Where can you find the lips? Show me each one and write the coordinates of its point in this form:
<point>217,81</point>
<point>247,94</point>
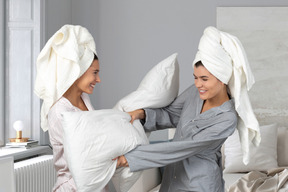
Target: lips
<point>202,92</point>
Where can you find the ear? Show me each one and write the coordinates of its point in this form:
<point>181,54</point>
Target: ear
<point>224,85</point>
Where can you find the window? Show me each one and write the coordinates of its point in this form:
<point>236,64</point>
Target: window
<point>2,95</point>
<point>23,37</point>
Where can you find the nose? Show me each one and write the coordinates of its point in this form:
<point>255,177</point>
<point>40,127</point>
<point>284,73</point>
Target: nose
<point>97,79</point>
<point>197,83</point>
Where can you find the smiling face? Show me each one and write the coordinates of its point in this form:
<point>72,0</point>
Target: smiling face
<point>88,80</point>
<point>209,87</point>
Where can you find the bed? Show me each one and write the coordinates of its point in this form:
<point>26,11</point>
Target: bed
<point>262,39</point>
<point>268,166</point>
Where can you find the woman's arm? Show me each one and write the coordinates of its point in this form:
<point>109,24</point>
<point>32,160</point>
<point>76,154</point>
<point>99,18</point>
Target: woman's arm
<point>207,141</point>
<point>166,117</point>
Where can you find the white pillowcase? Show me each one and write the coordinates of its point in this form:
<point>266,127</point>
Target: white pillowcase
<point>157,89</point>
<point>93,138</point>
<point>262,158</point>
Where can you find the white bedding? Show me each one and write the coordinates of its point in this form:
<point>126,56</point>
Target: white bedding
<point>230,178</point>
<point>265,153</point>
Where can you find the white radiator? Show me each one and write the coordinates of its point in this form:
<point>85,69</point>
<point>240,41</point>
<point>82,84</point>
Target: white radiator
<point>35,175</point>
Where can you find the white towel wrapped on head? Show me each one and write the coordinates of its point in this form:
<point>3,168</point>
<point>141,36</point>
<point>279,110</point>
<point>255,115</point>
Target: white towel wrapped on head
<point>223,56</point>
<point>64,58</point>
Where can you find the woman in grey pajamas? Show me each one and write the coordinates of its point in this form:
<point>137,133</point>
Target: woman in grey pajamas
<point>204,116</point>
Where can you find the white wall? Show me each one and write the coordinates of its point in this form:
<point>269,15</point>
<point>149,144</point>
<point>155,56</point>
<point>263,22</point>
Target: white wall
<point>57,14</point>
<point>133,35</point>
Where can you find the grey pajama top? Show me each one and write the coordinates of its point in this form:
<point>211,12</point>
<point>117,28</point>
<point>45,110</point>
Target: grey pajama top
<point>193,158</point>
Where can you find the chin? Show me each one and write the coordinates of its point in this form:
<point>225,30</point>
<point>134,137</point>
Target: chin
<point>203,97</point>
<point>88,92</point>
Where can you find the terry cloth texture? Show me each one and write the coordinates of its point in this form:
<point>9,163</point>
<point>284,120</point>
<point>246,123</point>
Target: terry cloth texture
<point>64,58</point>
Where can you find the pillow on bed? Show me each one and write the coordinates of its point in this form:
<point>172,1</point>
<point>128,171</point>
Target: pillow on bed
<point>262,158</point>
<point>93,138</point>
<point>282,146</point>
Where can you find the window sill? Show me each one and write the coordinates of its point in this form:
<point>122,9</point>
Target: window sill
<point>23,153</point>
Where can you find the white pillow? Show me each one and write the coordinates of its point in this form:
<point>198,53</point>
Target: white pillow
<point>91,140</point>
<point>88,158</point>
<point>157,89</point>
<point>262,158</point>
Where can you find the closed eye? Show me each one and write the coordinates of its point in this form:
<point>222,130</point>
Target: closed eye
<point>203,78</point>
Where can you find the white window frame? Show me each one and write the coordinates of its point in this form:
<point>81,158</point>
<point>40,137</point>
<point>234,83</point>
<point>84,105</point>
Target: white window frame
<point>19,63</point>
<point>2,69</point>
